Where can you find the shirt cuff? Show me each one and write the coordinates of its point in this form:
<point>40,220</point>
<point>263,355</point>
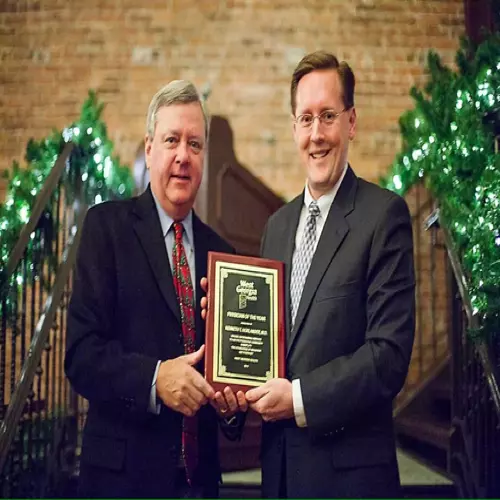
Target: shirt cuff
<point>154,407</point>
<point>298,404</point>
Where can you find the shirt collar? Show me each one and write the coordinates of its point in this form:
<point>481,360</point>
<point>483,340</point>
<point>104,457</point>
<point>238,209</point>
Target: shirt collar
<point>324,201</point>
<point>166,221</point>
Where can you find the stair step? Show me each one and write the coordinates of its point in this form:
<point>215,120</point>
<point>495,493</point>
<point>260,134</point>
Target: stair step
<point>425,429</point>
<point>239,491</point>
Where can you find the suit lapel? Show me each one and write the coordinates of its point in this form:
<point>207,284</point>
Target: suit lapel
<point>200,255</point>
<point>334,232</point>
<point>290,230</point>
<point>148,229</point>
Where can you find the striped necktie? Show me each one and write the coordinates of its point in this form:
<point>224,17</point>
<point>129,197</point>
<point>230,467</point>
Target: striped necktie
<point>302,258</point>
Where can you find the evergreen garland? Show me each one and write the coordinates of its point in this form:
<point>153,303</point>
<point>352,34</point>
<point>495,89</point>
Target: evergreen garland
<point>103,177</point>
<point>449,144</point>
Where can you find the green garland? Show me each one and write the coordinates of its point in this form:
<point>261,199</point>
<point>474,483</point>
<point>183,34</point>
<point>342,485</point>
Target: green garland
<point>102,174</point>
<point>449,143</point>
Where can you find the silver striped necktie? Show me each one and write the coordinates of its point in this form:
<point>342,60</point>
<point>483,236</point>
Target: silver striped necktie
<point>303,257</point>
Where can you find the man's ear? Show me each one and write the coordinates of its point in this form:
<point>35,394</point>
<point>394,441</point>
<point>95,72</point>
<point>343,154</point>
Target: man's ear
<point>294,128</point>
<point>352,124</point>
<point>148,143</point>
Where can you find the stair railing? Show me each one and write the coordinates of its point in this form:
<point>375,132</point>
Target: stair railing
<point>39,412</point>
<point>445,319</point>
<point>475,412</point>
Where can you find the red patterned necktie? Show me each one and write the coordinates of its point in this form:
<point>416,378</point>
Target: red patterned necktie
<point>185,296</point>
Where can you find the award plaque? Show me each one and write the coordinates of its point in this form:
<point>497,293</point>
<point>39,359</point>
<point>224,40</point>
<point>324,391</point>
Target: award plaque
<point>245,330</point>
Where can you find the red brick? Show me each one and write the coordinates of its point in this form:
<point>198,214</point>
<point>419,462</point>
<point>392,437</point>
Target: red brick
<point>53,52</point>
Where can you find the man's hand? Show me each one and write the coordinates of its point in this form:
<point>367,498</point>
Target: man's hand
<point>180,386</point>
<point>227,403</point>
<point>273,400</point>
<point>204,300</point>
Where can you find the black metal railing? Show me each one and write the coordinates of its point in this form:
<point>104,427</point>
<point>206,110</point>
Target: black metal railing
<point>39,411</point>
<point>475,443</point>
<point>443,341</point>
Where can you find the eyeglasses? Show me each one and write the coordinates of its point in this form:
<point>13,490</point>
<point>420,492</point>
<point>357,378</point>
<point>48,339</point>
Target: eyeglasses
<point>326,117</point>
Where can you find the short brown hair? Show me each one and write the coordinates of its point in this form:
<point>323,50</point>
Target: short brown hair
<point>323,60</point>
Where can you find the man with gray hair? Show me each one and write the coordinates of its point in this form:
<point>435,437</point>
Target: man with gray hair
<point>135,335</point>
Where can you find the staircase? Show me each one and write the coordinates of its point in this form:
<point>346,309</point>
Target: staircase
<point>423,408</point>
<point>424,426</point>
<point>448,413</point>
<point>40,415</point>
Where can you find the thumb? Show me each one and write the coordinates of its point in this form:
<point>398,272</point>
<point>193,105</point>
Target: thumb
<point>194,358</point>
<point>253,395</point>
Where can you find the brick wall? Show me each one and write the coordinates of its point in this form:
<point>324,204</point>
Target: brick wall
<point>433,293</point>
<point>53,51</point>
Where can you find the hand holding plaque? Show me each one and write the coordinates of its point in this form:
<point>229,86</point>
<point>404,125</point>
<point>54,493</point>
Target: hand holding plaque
<point>245,326</point>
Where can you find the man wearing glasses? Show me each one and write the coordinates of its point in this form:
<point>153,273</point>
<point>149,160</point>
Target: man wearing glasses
<point>347,245</point>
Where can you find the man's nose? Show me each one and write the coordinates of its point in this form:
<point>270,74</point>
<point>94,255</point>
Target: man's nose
<point>317,131</point>
<point>182,156</point>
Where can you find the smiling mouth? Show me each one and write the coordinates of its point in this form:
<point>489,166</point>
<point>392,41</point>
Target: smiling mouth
<point>319,154</point>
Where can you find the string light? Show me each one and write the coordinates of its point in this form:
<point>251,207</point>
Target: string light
<point>454,154</point>
<point>24,184</point>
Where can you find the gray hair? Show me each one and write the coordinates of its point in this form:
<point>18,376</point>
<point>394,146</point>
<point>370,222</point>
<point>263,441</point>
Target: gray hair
<point>175,92</point>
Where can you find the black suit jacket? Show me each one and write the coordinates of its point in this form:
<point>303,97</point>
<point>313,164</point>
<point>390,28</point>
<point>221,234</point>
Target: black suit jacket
<point>124,317</point>
<point>350,346</point>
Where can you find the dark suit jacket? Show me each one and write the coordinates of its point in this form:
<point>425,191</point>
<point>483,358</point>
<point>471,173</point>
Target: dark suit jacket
<point>124,317</point>
<point>350,346</point>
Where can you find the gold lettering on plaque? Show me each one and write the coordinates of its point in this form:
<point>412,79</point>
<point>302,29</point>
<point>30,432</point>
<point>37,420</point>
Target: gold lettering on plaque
<point>245,337</point>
